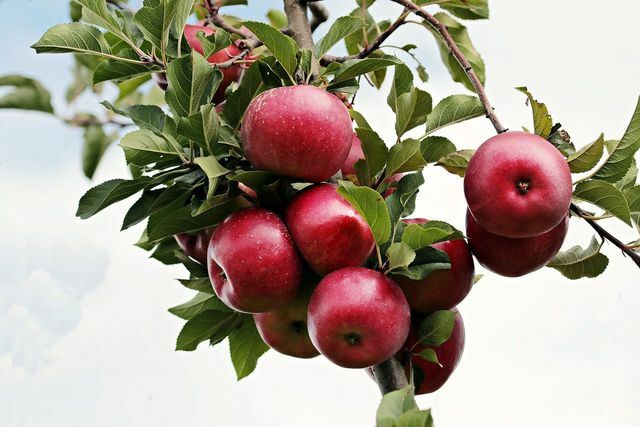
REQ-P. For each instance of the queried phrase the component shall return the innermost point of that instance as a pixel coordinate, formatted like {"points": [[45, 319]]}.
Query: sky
{"points": [[85, 336]]}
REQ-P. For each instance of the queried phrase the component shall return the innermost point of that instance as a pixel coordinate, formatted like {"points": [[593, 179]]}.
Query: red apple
{"points": [[393, 184], [253, 264], [428, 376], [355, 154], [195, 245], [230, 74], [358, 317], [442, 289], [514, 257], [518, 185], [285, 330], [301, 132], [329, 233]]}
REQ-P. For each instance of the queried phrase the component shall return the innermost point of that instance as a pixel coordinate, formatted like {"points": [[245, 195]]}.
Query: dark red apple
{"points": [[428, 376], [514, 257], [253, 264], [348, 168], [195, 245], [442, 289], [229, 74], [329, 233], [358, 317], [285, 330], [301, 132], [518, 185]]}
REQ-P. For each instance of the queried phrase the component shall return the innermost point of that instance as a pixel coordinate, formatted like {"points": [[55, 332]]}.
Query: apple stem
{"points": [[390, 376]]}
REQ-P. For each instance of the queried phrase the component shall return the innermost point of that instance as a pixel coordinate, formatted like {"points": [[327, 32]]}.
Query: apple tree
{"points": [[252, 167]]}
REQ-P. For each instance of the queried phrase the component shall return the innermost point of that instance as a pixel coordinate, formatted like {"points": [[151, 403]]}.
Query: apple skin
{"points": [[230, 74], [393, 179], [300, 132], [495, 182], [428, 376], [329, 233], [285, 330], [195, 246], [514, 257], [253, 264], [358, 317], [442, 289], [348, 168]]}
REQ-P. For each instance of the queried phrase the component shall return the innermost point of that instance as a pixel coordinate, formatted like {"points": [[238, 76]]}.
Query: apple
{"points": [[514, 257], [285, 330], [230, 74], [348, 168], [195, 245], [358, 317], [393, 184], [301, 132], [518, 185], [329, 233], [442, 289], [253, 264], [428, 376]]}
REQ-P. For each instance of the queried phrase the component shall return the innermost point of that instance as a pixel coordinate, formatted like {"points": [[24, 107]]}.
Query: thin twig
{"points": [[320, 14]]}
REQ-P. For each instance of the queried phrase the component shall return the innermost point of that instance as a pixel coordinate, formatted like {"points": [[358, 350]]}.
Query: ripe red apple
{"points": [[442, 289], [348, 168], [514, 257], [230, 74], [195, 245], [393, 184], [428, 376], [518, 185], [285, 330], [358, 317], [253, 264], [301, 132], [329, 233]]}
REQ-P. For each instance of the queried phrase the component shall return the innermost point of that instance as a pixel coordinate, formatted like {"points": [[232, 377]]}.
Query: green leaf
{"points": [[456, 162], [461, 37], [204, 326], [108, 193], [277, 18], [405, 156], [402, 202], [251, 86], [454, 109], [370, 204], [150, 117], [402, 83], [357, 67], [143, 147], [28, 94], [429, 355], [428, 260], [467, 9], [203, 127], [622, 152], [96, 12], [119, 71], [246, 348], [417, 236], [434, 148], [605, 196], [215, 42], [542, 121], [630, 178], [632, 195], [359, 119], [183, 9], [213, 169], [375, 152], [578, 263], [587, 157], [394, 404], [415, 418], [141, 208], [202, 285], [436, 328], [95, 144], [282, 47], [412, 109], [192, 83], [201, 302], [340, 29], [155, 22], [400, 256], [75, 37]]}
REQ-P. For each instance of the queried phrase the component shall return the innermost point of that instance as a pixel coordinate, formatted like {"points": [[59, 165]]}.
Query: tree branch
{"points": [[296, 11], [390, 376], [320, 14]]}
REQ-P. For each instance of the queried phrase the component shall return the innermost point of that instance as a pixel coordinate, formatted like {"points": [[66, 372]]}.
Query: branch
{"points": [[320, 14], [375, 45], [296, 11], [390, 376]]}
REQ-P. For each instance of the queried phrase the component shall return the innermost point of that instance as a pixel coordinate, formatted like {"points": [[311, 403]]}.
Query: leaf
{"points": [[632, 195], [340, 29], [251, 86], [96, 12], [577, 263], [605, 196], [434, 148], [357, 67], [204, 326], [417, 236], [400, 256], [405, 156], [454, 109], [108, 193], [436, 328], [28, 94], [277, 18], [456, 162], [542, 121], [587, 157], [359, 119], [429, 355], [246, 348], [402, 202], [467, 9], [150, 117], [415, 418], [213, 169], [141, 208], [95, 144], [201, 302], [375, 152], [630, 178], [370, 204], [622, 152], [412, 109], [428, 260], [203, 127], [75, 37], [155, 22], [396, 403], [182, 12], [215, 42], [461, 37], [192, 83], [402, 83], [143, 147], [118, 70], [200, 285], [282, 47]]}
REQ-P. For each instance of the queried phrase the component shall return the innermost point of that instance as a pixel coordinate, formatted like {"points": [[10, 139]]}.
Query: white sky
{"points": [[85, 338]]}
